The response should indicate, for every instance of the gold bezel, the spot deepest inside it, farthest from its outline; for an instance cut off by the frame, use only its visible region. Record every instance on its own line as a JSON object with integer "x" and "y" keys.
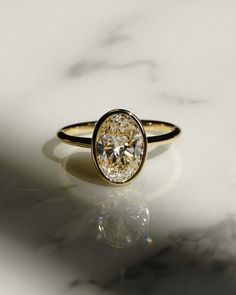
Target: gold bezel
{"x": 93, "y": 151}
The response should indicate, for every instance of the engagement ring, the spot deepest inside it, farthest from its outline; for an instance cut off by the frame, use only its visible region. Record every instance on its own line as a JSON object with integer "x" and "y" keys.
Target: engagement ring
{"x": 119, "y": 142}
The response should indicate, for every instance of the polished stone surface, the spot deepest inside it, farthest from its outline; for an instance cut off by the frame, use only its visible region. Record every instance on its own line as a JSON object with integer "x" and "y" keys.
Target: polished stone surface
{"x": 64, "y": 62}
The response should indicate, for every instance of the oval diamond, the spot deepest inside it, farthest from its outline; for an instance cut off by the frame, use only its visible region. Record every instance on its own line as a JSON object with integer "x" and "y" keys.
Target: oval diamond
{"x": 119, "y": 146}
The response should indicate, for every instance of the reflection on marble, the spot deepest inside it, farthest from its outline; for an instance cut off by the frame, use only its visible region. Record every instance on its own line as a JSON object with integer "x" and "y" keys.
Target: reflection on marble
{"x": 68, "y": 61}
{"x": 123, "y": 219}
{"x": 122, "y": 213}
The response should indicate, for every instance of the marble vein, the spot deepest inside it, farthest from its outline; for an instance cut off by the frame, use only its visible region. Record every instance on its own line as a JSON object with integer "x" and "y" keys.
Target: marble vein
{"x": 182, "y": 100}
{"x": 87, "y": 67}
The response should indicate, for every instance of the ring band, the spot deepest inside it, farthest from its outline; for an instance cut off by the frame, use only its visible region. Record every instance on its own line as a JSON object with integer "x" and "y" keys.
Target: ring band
{"x": 119, "y": 142}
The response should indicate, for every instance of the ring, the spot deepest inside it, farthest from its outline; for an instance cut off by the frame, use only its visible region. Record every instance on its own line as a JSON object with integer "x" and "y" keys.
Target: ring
{"x": 119, "y": 142}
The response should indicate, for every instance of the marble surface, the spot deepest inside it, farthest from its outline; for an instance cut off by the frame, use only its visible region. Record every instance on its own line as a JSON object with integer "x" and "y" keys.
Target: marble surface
{"x": 67, "y": 61}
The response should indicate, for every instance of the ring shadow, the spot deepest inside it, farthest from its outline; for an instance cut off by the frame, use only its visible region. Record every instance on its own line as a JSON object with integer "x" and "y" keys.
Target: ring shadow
{"x": 80, "y": 164}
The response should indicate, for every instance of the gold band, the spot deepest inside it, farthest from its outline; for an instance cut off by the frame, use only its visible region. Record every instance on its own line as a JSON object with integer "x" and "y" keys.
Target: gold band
{"x": 72, "y": 134}
{"x": 119, "y": 142}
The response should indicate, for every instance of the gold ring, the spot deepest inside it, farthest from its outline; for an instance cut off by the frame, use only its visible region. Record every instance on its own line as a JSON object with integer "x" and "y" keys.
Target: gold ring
{"x": 119, "y": 142}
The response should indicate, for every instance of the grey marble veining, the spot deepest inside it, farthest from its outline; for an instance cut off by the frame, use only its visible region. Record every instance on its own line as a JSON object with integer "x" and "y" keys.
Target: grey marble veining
{"x": 83, "y": 68}
{"x": 182, "y": 100}
{"x": 62, "y": 229}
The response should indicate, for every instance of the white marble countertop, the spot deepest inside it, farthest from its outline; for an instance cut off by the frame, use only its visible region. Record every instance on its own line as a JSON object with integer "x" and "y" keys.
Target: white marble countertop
{"x": 68, "y": 61}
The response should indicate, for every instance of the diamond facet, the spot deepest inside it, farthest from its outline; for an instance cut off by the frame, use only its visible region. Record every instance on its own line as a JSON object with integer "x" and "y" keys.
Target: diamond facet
{"x": 119, "y": 146}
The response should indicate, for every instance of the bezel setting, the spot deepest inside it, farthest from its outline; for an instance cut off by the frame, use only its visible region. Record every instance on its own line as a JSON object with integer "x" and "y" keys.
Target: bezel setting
{"x": 119, "y": 146}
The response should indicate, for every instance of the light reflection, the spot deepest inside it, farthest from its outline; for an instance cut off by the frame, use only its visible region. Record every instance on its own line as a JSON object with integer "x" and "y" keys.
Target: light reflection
{"x": 119, "y": 215}
{"x": 123, "y": 220}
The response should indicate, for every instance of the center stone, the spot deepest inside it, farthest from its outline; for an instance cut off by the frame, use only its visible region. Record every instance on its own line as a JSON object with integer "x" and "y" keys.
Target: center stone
{"x": 119, "y": 146}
